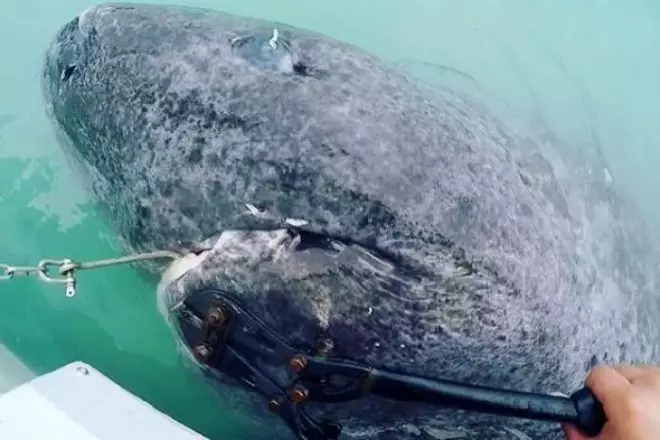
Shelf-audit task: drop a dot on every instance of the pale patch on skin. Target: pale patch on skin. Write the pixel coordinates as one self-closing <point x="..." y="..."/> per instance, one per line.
<point x="323" y="310"/>
<point x="233" y="249"/>
<point x="177" y="269"/>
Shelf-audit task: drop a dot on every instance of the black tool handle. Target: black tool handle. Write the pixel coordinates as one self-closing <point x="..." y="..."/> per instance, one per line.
<point x="581" y="409"/>
<point x="590" y="413"/>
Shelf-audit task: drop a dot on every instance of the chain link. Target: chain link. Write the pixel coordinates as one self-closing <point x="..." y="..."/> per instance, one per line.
<point x="66" y="268"/>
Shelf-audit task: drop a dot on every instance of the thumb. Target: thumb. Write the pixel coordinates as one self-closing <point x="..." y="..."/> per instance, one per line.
<point x="572" y="433"/>
<point x="610" y="388"/>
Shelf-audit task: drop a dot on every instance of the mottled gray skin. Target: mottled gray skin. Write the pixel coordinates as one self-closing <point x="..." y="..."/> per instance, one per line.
<point x="453" y="248"/>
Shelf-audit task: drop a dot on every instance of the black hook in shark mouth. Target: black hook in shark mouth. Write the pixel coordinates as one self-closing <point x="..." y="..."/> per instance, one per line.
<point x="447" y="246"/>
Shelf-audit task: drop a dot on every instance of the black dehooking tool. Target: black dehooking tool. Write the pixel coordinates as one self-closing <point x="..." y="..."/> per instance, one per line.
<point x="232" y="342"/>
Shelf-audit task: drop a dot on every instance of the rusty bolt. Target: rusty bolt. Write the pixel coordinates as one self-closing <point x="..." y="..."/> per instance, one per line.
<point x="298" y="363"/>
<point x="216" y="316"/>
<point x="299" y="394"/>
<point x="274" y="404"/>
<point x="202" y="352"/>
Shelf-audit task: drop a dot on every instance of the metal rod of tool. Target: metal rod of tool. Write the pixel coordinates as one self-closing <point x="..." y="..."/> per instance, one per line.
<point x="581" y="409"/>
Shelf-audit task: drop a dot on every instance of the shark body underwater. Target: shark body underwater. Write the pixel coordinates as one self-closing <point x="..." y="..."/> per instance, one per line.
<point x="427" y="239"/>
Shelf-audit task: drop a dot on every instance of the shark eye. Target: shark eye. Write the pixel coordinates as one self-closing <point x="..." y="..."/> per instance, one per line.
<point x="67" y="72"/>
<point x="301" y="69"/>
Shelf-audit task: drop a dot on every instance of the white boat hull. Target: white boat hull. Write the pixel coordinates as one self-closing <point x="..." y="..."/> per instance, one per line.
<point x="77" y="402"/>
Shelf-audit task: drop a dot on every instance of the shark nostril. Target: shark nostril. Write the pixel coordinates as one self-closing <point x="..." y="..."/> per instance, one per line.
<point x="67" y="72"/>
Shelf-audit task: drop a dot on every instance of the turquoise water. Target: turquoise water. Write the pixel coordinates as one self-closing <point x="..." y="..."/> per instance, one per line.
<point x="588" y="73"/>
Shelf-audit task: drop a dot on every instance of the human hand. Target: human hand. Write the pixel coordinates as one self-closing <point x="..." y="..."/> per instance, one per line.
<point x="631" y="399"/>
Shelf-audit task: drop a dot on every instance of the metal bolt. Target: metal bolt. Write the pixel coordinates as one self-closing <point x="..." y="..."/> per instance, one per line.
<point x="299" y="394"/>
<point x="298" y="363"/>
<point x="216" y="316"/>
<point x="70" y="290"/>
<point x="82" y="371"/>
<point x="202" y="352"/>
<point x="275" y="404"/>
